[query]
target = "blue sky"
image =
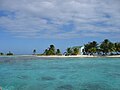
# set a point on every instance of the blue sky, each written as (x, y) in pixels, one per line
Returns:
(35, 24)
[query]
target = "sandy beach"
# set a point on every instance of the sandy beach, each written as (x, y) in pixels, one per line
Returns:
(77, 56)
(63, 56)
(113, 56)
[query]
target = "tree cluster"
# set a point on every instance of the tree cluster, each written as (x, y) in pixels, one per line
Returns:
(9, 53)
(52, 51)
(72, 51)
(105, 48)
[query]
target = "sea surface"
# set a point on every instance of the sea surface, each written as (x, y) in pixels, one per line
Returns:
(35, 73)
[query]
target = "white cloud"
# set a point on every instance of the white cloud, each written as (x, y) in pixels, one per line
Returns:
(42, 18)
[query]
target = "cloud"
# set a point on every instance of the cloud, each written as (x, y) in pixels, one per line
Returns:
(60, 19)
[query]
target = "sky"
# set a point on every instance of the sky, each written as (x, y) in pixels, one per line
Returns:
(35, 24)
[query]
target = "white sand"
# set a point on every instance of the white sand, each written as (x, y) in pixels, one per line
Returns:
(114, 56)
(81, 56)
(63, 56)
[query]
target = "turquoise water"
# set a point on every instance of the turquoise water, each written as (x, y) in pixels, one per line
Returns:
(32, 73)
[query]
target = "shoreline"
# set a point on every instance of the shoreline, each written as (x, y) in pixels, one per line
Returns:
(63, 56)
(79, 56)
(71, 56)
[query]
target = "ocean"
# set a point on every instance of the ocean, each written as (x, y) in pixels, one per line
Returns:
(35, 73)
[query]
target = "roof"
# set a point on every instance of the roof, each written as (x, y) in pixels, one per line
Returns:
(77, 47)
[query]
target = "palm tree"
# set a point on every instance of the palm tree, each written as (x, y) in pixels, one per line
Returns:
(34, 51)
(75, 51)
(91, 47)
(86, 48)
(52, 49)
(9, 53)
(111, 47)
(1, 53)
(58, 52)
(93, 50)
(69, 51)
(117, 47)
(107, 47)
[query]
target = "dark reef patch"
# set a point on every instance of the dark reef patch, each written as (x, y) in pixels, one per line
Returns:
(21, 86)
(113, 75)
(65, 87)
(63, 77)
(46, 78)
(95, 86)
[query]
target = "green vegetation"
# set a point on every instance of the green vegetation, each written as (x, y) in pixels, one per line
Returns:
(34, 51)
(1, 53)
(69, 51)
(117, 47)
(91, 47)
(58, 52)
(9, 53)
(52, 51)
(72, 51)
(75, 51)
(105, 48)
